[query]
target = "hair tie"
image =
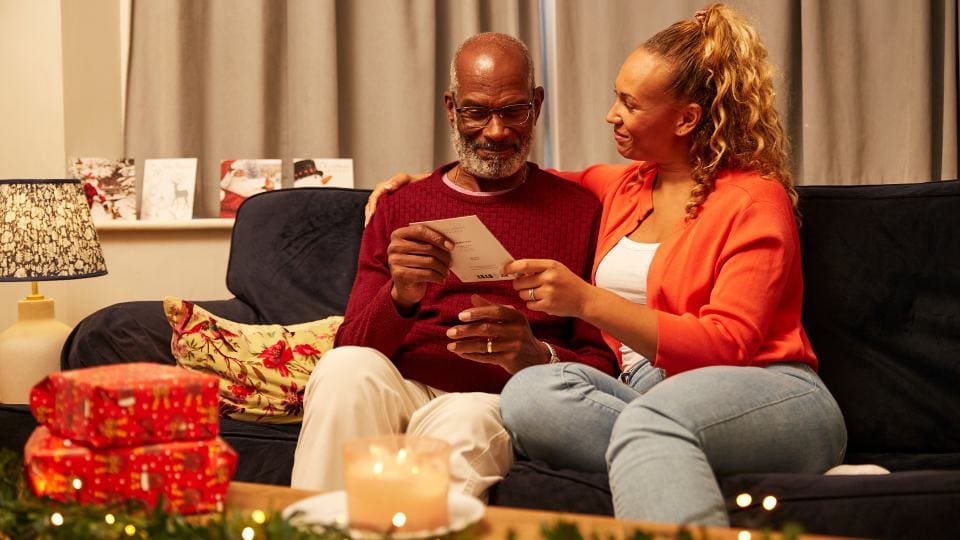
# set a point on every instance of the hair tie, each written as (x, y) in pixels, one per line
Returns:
(701, 17)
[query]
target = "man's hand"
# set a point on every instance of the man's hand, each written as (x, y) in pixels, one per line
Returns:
(417, 256)
(393, 183)
(496, 334)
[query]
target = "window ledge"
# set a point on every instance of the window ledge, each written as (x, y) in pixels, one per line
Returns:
(166, 225)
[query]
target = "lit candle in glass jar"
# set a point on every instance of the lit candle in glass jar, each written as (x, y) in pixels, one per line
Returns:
(397, 483)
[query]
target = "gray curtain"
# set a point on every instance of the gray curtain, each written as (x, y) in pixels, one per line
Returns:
(222, 79)
(867, 88)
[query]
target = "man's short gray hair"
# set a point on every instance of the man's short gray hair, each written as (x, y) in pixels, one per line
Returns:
(498, 40)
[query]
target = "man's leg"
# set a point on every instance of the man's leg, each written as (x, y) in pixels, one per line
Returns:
(353, 392)
(480, 448)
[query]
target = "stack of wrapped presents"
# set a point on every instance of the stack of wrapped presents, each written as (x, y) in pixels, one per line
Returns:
(130, 432)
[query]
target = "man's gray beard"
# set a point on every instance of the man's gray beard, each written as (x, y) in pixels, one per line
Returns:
(495, 168)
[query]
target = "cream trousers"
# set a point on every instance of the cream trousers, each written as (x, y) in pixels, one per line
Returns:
(357, 392)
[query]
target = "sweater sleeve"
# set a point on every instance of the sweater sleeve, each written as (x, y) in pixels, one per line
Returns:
(752, 273)
(372, 319)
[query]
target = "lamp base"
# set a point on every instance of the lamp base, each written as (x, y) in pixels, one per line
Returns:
(30, 349)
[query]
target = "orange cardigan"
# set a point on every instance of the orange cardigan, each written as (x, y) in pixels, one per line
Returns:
(726, 285)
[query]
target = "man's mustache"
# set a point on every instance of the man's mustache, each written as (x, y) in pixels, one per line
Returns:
(495, 147)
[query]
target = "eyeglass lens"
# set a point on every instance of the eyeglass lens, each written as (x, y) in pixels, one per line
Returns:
(511, 115)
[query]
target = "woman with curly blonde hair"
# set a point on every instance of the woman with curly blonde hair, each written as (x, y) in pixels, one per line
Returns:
(698, 289)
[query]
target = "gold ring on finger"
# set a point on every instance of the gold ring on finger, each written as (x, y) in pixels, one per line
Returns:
(531, 296)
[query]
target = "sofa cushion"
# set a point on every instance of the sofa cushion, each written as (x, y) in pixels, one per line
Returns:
(262, 368)
(881, 269)
(132, 332)
(917, 504)
(265, 451)
(293, 256)
(533, 484)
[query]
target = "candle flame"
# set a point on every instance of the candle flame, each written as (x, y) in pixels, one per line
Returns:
(247, 533)
(744, 500)
(378, 468)
(743, 535)
(769, 502)
(399, 519)
(109, 519)
(57, 519)
(402, 455)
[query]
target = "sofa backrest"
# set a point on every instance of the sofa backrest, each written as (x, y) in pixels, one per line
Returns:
(881, 268)
(293, 254)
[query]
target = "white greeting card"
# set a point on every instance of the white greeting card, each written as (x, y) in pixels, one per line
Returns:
(110, 186)
(168, 188)
(322, 172)
(477, 255)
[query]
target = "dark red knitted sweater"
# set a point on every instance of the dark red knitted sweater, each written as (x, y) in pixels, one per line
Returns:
(545, 217)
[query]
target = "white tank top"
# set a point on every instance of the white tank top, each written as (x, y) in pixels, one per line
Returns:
(624, 271)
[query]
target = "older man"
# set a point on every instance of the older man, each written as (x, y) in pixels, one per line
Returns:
(423, 353)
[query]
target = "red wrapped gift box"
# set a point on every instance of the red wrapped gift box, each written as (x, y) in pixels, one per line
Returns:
(128, 404)
(192, 475)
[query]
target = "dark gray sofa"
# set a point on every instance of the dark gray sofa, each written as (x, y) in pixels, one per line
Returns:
(882, 307)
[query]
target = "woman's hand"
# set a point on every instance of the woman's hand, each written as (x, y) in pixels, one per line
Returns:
(549, 286)
(394, 183)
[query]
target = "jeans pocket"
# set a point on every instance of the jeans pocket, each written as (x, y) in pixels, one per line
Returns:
(642, 376)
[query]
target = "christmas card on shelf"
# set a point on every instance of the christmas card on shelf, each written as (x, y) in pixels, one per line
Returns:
(110, 186)
(322, 172)
(241, 178)
(125, 405)
(168, 188)
(192, 476)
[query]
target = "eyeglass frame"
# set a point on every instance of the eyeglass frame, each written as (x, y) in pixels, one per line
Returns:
(530, 106)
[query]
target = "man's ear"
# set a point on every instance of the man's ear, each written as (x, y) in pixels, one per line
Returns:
(537, 102)
(450, 104)
(689, 117)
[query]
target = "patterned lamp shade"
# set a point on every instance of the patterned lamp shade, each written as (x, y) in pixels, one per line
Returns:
(46, 232)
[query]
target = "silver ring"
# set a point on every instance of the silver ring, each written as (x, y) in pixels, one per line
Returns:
(489, 345)
(531, 297)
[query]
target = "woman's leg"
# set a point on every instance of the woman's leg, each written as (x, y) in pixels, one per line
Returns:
(563, 413)
(669, 445)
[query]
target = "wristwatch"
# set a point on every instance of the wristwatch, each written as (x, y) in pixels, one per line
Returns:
(553, 353)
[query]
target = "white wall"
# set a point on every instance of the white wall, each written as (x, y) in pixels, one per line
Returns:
(63, 66)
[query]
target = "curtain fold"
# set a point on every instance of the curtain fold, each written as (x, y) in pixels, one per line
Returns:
(867, 89)
(227, 79)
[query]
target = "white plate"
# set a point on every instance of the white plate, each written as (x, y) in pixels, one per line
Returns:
(330, 509)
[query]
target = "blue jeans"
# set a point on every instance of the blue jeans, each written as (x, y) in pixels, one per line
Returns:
(664, 442)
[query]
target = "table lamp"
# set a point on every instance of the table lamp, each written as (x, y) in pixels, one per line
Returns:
(46, 233)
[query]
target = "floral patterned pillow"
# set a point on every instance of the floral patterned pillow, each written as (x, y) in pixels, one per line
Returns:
(263, 369)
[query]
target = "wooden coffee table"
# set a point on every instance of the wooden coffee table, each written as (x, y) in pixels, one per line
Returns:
(497, 521)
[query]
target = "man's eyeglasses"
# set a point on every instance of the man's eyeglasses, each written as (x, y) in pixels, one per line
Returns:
(478, 117)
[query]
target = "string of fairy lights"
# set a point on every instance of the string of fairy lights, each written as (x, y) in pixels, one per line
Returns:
(23, 515)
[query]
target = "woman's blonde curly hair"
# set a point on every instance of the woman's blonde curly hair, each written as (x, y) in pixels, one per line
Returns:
(720, 64)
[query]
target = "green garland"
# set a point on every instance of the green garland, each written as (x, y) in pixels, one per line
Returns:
(25, 516)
